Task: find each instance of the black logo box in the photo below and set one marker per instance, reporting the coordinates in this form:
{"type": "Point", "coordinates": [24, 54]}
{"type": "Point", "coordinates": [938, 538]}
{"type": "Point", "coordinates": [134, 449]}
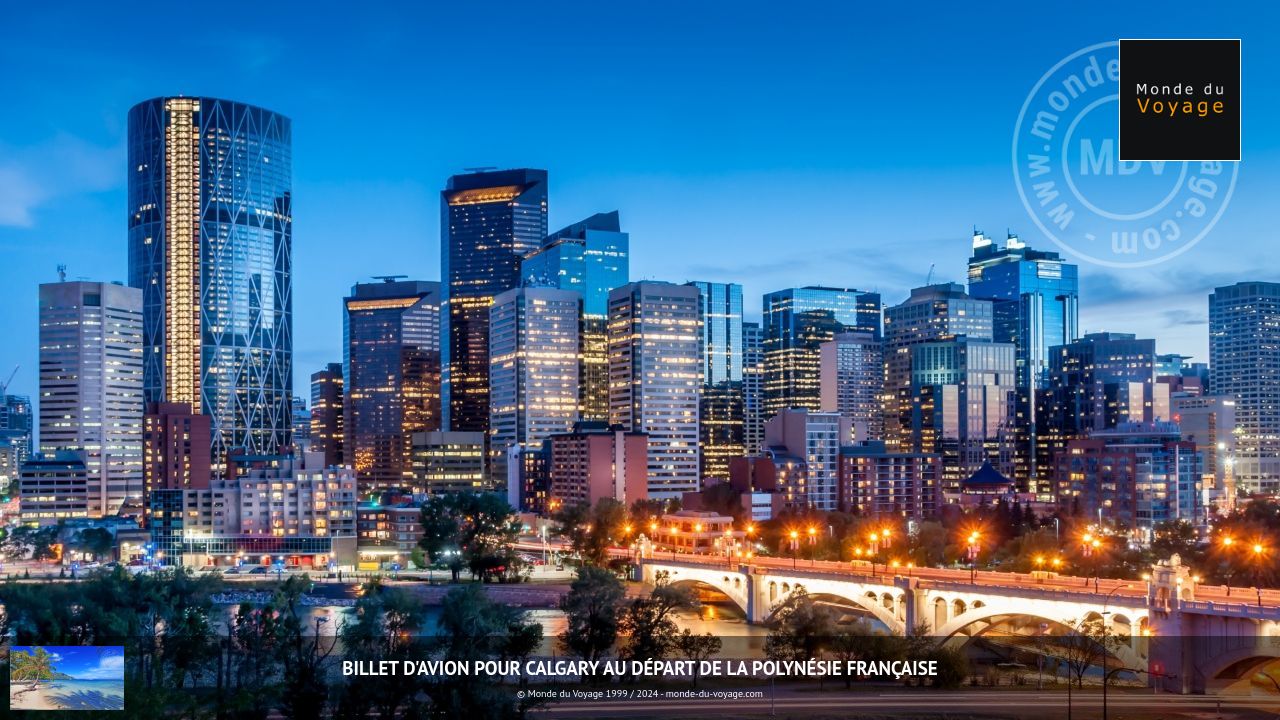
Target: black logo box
{"type": "Point", "coordinates": [1194, 65]}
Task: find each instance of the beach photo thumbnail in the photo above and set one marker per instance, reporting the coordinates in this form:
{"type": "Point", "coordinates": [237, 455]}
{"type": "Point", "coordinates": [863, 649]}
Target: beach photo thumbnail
{"type": "Point", "coordinates": [72, 677]}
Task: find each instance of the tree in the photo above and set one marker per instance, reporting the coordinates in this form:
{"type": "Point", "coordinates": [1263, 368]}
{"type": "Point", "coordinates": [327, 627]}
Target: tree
{"type": "Point", "coordinates": [385, 627]}
{"type": "Point", "coordinates": [473, 530]}
{"type": "Point", "coordinates": [1080, 647]}
{"type": "Point", "coordinates": [697, 648]}
{"type": "Point", "coordinates": [802, 629]}
{"type": "Point", "coordinates": [649, 624]}
{"type": "Point", "coordinates": [97, 542]}
{"type": "Point", "coordinates": [590, 531]}
{"type": "Point", "coordinates": [858, 641]}
{"type": "Point", "coordinates": [592, 608]}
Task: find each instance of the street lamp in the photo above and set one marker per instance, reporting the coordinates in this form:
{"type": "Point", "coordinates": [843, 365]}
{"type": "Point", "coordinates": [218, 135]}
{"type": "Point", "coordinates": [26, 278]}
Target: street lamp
{"type": "Point", "coordinates": [974, 548]}
{"type": "Point", "coordinates": [795, 547]}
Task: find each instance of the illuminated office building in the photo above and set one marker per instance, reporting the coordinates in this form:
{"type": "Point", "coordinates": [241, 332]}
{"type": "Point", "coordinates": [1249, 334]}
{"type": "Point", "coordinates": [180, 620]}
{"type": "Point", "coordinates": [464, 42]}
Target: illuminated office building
{"type": "Point", "coordinates": [489, 220]}
{"type": "Point", "coordinates": [327, 400]}
{"type": "Point", "coordinates": [852, 380]}
{"type": "Point", "coordinates": [590, 257]}
{"type": "Point", "coordinates": [91, 387]}
{"type": "Point", "coordinates": [391, 377]}
{"type": "Point", "coordinates": [1096, 383]}
{"type": "Point", "coordinates": [448, 461]}
{"type": "Point", "coordinates": [932, 313]}
{"type": "Point", "coordinates": [796, 323]}
{"type": "Point", "coordinates": [655, 378]}
{"type": "Point", "coordinates": [752, 387]}
{"type": "Point", "coordinates": [210, 243]}
{"type": "Point", "coordinates": [1244, 364]}
{"type": "Point", "coordinates": [722, 418]}
{"type": "Point", "coordinates": [1035, 299]}
{"type": "Point", "coordinates": [533, 370]}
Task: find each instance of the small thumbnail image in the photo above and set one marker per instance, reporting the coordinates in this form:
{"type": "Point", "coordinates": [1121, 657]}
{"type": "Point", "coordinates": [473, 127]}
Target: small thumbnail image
{"type": "Point", "coordinates": [75, 677]}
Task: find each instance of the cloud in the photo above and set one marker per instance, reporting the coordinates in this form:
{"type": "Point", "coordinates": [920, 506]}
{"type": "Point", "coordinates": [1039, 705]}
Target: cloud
{"type": "Point", "coordinates": [110, 667]}
{"type": "Point", "coordinates": [1182, 316]}
{"type": "Point", "coordinates": [32, 176]}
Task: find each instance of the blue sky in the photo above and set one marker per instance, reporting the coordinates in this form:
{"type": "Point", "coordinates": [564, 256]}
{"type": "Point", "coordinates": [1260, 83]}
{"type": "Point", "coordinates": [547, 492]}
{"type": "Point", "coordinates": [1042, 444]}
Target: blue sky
{"type": "Point", "coordinates": [85, 663]}
{"type": "Point", "coordinates": [772, 144]}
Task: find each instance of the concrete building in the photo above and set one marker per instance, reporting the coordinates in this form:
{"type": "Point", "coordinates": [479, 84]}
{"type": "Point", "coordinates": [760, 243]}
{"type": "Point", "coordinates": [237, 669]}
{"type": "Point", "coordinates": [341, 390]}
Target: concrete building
{"type": "Point", "coordinates": [447, 462]}
{"type": "Point", "coordinates": [55, 487]}
{"type": "Point", "coordinates": [91, 387]}
{"type": "Point", "coordinates": [1209, 421]}
{"type": "Point", "coordinates": [752, 387]}
{"type": "Point", "coordinates": [273, 509]}
{"type": "Point", "coordinates": [852, 380]}
{"type": "Point", "coordinates": [595, 462]}
{"type": "Point", "coordinates": [814, 439]}
{"type": "Point", "coordinates": [655, 378]}
{"type": "Point", "coordinates": [1244, 362]}
{"type": "Point", "coordinates": [876, 482]}
{"type": "Point", "coordinates": [175, 448]}
{"type": "Point", "coordinates": [703, 532]}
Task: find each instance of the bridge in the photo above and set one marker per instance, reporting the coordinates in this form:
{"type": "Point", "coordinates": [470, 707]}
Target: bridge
{"type": "Point", "coordinates": [1185, 636]}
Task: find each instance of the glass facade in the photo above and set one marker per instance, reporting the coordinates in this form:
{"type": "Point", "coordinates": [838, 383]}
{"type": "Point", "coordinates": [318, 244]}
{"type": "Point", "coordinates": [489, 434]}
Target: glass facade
{"type": "Point", "coordinates": [590, 257]}
{"type": "Point", "coordinates": [796, 323]}
{"type": "Point", "coordinates": [210, 243]}
{"type": "Point", "coordinates": [1035, 298]}
{"type": "Point", "coordinates": [722, 421]}
{"type": "Point", "coordinates": [15, 439]}
{"type": "Point", "coordinates": [753, 386]}
{"type": "Point", "coordinates": [489, 220]}
{"type": "Point", "coordinates": [327, 398]}
{"type": "Point", "coordinates": [391, 375]}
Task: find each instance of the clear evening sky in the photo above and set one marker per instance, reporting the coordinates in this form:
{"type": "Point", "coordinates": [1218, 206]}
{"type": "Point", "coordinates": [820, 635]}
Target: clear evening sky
{"type": "Point", "coordinates": [771, 144]}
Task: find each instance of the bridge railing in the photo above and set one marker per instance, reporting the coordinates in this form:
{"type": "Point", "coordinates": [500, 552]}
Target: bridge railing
{"type": "Point", "coordinates": [1240, 609]}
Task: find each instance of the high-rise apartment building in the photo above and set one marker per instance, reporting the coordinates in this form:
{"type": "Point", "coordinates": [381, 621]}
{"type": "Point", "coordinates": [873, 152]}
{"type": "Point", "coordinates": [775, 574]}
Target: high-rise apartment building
{"type": "Point", "coordinates": [595, 462]}
{"type": "Point", "coordinates": [1035, 301]}
{"type": "Point", "coordinates": [391, 377]}
{"type": "Point", "coordinates": [931, 314]}
{"type": "Point", "coordinates": [752, 387]}
{"type": "Point", "coordinates": [448, 461]}
{"type": "Point", "coordinates": [796, 323]}
{"type": "Point", "coordinates": [489, 220]}
{"type": "Point", "coordinates": [175, 445]}
{"type": "Point", "coordinates": [210, 246]}
{"type": "Point", "coordinates": [1209, 421]}
{"type": "Point", "coordinates": [53, 487]}
{"type": "Point", "coordinates": [590, 257]}
{"type": "Point", "coordinates": [91, 387]}
{"type": "Point", "coordinates": [1244, 363]}
{"type": "Point", "coordinates": [533, 370]}
{"type": "Point", "coordinates": [813, 440]}
{"type": "Point", "coordinates": [852, 381]}
{"type": "Point", "coordinates": [327, 402]}
{"type": "Point", "coordinates": [655, 377]}
{"type": "Point", "coordinates": [722, 418]}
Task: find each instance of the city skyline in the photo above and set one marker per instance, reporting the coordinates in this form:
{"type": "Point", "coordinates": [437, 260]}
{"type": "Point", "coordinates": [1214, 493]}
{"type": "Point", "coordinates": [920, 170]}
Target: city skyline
{"type": "Point", "coordinates": [678, 173]}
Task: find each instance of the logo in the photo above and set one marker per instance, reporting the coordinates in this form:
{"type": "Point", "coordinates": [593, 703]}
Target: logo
{"type": "Point", "coordinates": [1075, 187]}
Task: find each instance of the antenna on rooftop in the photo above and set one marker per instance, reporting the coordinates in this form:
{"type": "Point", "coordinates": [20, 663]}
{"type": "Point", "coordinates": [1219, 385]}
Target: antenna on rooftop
{"type": "Point", "coordinates": [389, 278]}
{"type": "Point", "coordinates": [485, 168]}
{"type": "Point", "coordinates": [62, 273]}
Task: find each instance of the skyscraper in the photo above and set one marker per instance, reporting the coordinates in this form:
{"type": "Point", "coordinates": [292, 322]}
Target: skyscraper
{"type": "Point", "coordinates": [752, 386]}
{"type": "Point", "coordinates": [655, 375]}
{"type": "Point", "coordinates": [91, 387]}
{"type": "Point", "coordinates": [1244, 363]}
{"type": "Point", "coordinates": [592, 258]}
{"type": "Point", "coordinates": [932, 313]}
{"type": "Point", "coordinates": [488, 221]}
{"type": "Point", "coordinates": [533, 370]}
{"type": "Point", "coordinates": [722, 418]}
{"type": "Point", "coordinates": [210, 238]}
{"type": "Point", "coordinates": [327, 399]}
{"type": "Point", "coordinates": [796, 323]}
{"type": "Point", "coordinates": [391, 377]}
{"type": "Point", "coordinates": [15, 438]}
{"type": "Point", "coordinates": [813, 439]}
{"type": "Point", "coordinates": [1035, 296]}
{"type": "Point", "coordinates": [301, 424]}
{"type": "Point", "coordinates": [1096, 383]}
{"type": "Point", "coordinates": [852, 380]}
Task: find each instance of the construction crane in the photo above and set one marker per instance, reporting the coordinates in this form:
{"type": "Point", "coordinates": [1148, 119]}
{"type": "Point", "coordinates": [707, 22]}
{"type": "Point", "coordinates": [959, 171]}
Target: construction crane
{"type": "Point", "coordinates": [4, 387]}
{"type": "Point", "coordinates": [929, 278]}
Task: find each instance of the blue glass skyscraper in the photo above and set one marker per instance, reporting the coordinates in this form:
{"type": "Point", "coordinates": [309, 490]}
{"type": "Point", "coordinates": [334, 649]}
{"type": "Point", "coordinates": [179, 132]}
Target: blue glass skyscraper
{"type": "Point", "coordinates": [721, 420]}
{"type": "Point", "coordinates": [796, 323]}
{"type": "Point", "coordinates": [210, 242]}
{"type": "Point", "coordinates": [1035, 296]}
{"type": "Point", "coordinates": [590, 257]}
